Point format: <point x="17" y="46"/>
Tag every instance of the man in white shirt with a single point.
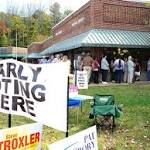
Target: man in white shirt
<point x="104" y="69"/>
<point x="118" y="67"/>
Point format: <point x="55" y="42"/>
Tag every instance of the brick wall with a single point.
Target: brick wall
<point x="118" y="14"/>
<point x="39" y="46"/>
<point x="109" y="14"/>
<point x="76" y="23"/>
<point x="47" y="43"/>
<point x="35" y="47"/>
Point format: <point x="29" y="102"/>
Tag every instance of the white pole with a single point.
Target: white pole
<point x="16" y="44"/>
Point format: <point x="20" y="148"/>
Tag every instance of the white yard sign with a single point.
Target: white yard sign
<point x="84" y="140"/>
<point x="37" y="91"/>
<point x="82" y="82"/>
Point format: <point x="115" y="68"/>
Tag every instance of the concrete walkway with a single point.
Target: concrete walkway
<point x="117" y="84"/>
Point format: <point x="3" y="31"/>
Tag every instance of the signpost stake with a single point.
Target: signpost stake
<point x="9" y="120"/>
<point x="76" y="77"/>
<point x="67" y="106"/>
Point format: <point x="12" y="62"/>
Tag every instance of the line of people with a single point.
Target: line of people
<point x="56" y="59"/>
<point x="126" y="70"/>
<point x="118" y="70"/>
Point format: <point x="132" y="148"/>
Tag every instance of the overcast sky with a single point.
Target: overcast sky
<point x="65" y="4"/>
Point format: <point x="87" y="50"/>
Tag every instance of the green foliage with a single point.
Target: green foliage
<point x="66" y="13"/>
<point x="25" y="30"/>
<point x="55" y="13"/>
<point x="147" y="4"/>
<point x="44" y="22"/>
<point x="4" y="41"/>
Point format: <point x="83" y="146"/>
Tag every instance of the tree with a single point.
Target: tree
<point x="17" y="29"/>
<point x="3" y="28"/>
<point x="66" y="13"/>
<point x="55" y="13"/>
<point x="44" y="22"/>
<point x="12" y="9"/>
<point x="31" y="30"/>
<point x="3" y="31"/>
<point x="32" y="23"/>
<point x="4" y="42"/>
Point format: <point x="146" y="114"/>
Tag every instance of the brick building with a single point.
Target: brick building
<point x="102" y="26"/>
<point x="13" y="52"/>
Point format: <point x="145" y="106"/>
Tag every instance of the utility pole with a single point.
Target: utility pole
<point x="16" y="43"/>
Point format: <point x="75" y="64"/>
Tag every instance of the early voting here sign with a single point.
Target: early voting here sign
<point x="26" y="137"/>
<point x="37" y="91"/>
<point x="84" y="140"/>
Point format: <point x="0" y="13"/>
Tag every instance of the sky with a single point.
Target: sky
<point x="65" y="4"/>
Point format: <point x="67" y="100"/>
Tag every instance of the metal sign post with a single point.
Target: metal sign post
<point x="9" y="120"/>
<point x="67" y="107"/>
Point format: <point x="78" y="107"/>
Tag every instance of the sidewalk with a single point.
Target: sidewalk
<point x="119" y="84"/>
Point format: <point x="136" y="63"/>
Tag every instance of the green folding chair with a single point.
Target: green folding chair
<point x="104" y="111"/>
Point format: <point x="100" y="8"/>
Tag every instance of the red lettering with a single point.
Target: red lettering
<point x="37" y="137"/>
<point x="26" y="141"/>
<point x="7" y="145"/>
<point x="14" y="143"/>
<point x="1" y="143"/>
<point x="32" y="138"/>
<point x="21" y="144"/>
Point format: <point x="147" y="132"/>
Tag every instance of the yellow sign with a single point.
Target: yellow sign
<point x="26" y="137"/>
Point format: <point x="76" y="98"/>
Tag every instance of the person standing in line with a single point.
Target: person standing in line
<point x="125" y="71"/>
<point x="56" y="59"/>
<point x="131" y="66"/>
<point x="78" y="63"/>
<point x="87" y="65"/>
<point x="148" y="70"/>
<point x="137" y="71"/>
<point x="112" y="75"/>
<point x="104" y="69"/>
<point x="50" y="60"/>
<point x="43" y="60"/>
<point x="66" y="59"/>
<point x="95" y="69"/>
<point x="119" y="66"/>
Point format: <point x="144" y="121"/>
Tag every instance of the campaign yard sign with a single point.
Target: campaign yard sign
<point x="84" y="140"/>
<point x="82" y="82"/>
<point x="21" y="137"/>
<point x="37" y="91"/>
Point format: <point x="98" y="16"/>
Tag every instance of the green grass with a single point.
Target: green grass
<point x="133" y="127"/>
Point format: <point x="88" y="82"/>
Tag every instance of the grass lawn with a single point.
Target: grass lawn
<point x="133" y="127"/>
